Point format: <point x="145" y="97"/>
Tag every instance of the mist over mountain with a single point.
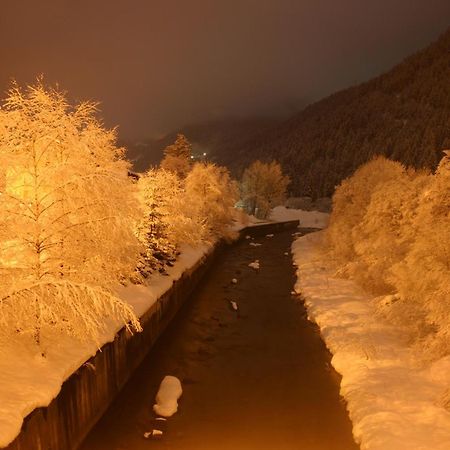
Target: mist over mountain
<point x="403" y="114"/>
<point x="218" y="139"/>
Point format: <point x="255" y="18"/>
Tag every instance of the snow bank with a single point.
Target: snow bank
<point x="393" y="403"/>
<point x="308" y="219"/>
<point x="29" y="381"/>
<point x="167" y="397"/>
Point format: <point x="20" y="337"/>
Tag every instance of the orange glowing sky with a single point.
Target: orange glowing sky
<point x="156" y="65"/>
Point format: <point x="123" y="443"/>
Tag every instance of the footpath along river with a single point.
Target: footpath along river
<point x="255" y="379"/>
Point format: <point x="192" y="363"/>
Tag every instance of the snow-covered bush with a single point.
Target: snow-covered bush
<point x="263" y="186"/>
<point x="210" y="195"/>
<point x="68" y="214"/>
<point x="387" y="231"/>
<point x="390" y="230"/>
<point x="423" y="277"/>
<point x="350" y="202"/>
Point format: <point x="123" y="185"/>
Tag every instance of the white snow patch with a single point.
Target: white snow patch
<point x="393" y="402"/>
<point x="308" y="219"/>
<point x="167" y="397"/>
<point x="234" y="305"/>
<point x="153" y="433"/>
<point x="254" y="264"/>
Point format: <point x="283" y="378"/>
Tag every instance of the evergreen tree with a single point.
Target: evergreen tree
<point x="177" y="157"/>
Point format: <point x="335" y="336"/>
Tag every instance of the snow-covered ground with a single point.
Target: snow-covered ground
<point x="29" y="381"/>
<point x="393" y="402"/>
<point x="308" y="219"/>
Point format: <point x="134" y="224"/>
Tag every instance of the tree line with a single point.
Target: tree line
<point x="389" y="230"/>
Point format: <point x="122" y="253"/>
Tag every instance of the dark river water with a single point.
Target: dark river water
<point x="255" y="379"/>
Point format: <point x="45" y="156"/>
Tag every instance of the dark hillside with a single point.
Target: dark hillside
<point x="403" y="114"/>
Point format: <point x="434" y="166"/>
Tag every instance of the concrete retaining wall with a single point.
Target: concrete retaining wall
<point x="86" y="395"/>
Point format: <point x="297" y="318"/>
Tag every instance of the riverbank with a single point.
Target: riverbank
<point x="393" y="402"/>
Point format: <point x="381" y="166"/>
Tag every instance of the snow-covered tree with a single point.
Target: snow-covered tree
<point x="165" y="224"/>
<point x="157" y="188"/>
<point x="177" y="156"/>
<point x="387" y="231"/>
<point x="350" y="202"/>
<point x="68" y="214"/>
<point x="210" y="197"/>
<point x="262" y="187"/>
<point x="422" y="278"/>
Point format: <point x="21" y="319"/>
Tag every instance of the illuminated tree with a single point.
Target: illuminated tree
<point x="160" y="229"/>
<point x="423" y="276"/>
<point x="389" y="230"/>
<point x="177" y="157"/>
<point x="263" y="186"/>
<point x="210" y="199"/>
<point x="68" y="211"/>
<point x="350" y="202"/>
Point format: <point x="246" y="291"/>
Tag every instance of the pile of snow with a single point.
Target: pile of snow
<point x="167" y="397"/>
<point x="29" y="381"/>
<point x="254" y="264"/>
<point x="308" y="219"/>
<point x="393" y="402"/>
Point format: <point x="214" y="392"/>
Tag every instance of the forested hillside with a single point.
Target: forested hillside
<point x="403" y="114"/>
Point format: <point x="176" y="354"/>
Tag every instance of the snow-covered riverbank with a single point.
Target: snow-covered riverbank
<point x="394" y="404"/>
<point x="29" y="381"/>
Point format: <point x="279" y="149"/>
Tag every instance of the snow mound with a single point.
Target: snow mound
<point x="167" y="397"/>
<point x="308" y="219"/>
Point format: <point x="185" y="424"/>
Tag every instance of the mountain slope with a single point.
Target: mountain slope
<point x="403" y="114"/>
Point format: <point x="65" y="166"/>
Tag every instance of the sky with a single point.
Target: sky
<point x="156" y="65"/>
